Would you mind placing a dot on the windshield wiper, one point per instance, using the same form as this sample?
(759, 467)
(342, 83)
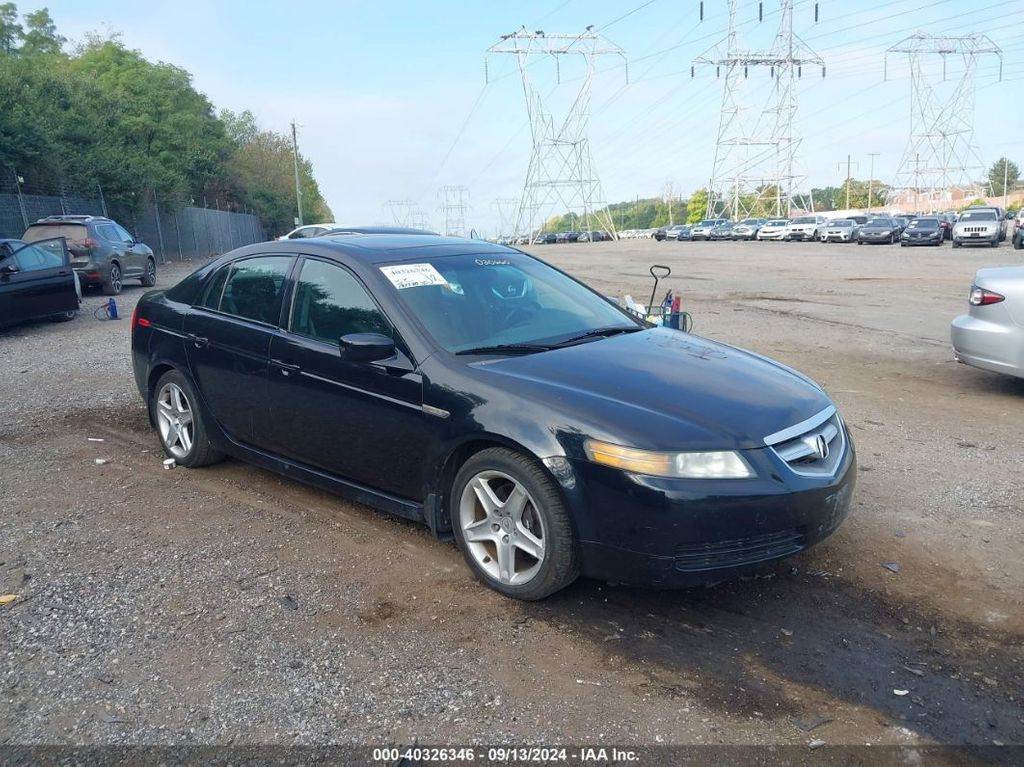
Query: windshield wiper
(598, 333)
(506, 349)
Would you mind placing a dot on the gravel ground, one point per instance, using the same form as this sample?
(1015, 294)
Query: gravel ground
(228, 605)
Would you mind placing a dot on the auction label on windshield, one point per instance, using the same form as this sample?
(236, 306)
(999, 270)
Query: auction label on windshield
(404, 276)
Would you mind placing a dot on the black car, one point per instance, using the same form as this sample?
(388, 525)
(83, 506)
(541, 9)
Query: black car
(483, 392)
(102, 251)
(878, 230)
(36, 281)
(926, 230)
(669, 232)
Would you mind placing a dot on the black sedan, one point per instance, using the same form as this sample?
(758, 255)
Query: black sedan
(483, 392)
(923, 231)
(876, 230)
(37, 281)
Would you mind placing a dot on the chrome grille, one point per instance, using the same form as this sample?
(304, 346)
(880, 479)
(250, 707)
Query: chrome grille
(814, 447)
(975, 229)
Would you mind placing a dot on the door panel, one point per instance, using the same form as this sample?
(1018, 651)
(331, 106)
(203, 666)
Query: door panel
(43, 284)
(362, 421)
(228, 342)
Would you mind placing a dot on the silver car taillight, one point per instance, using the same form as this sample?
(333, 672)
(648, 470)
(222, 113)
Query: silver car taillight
(982, 297)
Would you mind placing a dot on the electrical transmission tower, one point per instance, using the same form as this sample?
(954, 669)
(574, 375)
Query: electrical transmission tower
(941, 155)
(506, 207)
(406, 213)
(560, 177)
(753, 171)
(454, 208)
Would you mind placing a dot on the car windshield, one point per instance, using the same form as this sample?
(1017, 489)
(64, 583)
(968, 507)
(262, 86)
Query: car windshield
(842, 223)
(924, 223)
(805, 220)
(778, 222)
(978, 215)
(708, 222)
(71, 232)
(883, 222)
(749, 221)
(483, 301)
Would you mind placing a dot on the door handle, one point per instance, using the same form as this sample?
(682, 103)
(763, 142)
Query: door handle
(200, 342)
(286, 368)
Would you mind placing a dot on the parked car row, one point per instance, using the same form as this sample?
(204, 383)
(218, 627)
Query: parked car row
(983, 225)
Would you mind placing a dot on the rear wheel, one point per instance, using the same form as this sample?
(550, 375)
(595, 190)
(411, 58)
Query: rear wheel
(63, 316)
(179, 423)
(112, 285)
(512, 526)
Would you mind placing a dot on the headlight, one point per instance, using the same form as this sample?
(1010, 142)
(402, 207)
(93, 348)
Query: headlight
(725, 464)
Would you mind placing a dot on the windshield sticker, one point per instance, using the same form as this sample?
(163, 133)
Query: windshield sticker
(404, 276)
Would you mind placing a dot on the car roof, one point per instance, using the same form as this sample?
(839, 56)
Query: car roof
(70, 220)
(379, 248)
(337, 230)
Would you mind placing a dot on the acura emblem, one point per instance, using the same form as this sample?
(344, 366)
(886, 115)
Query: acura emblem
(821, 447)
(818, 445)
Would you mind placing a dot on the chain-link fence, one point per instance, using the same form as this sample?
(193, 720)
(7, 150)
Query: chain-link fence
(175, 233)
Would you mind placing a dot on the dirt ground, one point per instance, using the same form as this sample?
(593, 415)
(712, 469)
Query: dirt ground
(228, 605)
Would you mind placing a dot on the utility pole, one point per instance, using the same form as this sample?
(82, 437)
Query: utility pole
(1006, 168)
(871, 178)
(757, 141)
(298, 188)
(848, 162)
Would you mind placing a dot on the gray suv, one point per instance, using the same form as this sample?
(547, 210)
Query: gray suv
(102, 252)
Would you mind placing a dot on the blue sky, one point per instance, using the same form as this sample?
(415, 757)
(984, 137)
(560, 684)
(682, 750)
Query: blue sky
(392, 100)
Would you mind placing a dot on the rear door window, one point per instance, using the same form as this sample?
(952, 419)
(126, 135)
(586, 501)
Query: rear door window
(253, 289)
(70, 232)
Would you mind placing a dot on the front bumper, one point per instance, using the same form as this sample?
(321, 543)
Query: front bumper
(991, 238)
(800, 235)
(675, 533)
(837, 237)
(878, 238)
(931, 240)
(988, 345)
(771, 235)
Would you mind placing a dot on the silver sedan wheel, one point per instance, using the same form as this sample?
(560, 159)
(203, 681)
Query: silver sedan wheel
(502, 528)
(175, 421)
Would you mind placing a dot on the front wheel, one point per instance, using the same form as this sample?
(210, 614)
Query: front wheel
(512, 526)
(64, 316)
(182, 430)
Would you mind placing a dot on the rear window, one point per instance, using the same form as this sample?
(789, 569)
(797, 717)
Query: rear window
(70, 232)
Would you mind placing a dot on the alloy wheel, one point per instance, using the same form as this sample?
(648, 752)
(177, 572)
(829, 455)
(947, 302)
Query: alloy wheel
(503, 530)
(175, 420)
(115, 278)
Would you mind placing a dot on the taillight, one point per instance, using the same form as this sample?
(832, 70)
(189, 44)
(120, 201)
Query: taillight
(87, 244)
(982, 297)
(138, 321)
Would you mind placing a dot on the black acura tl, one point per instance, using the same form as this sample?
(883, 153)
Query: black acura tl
(489, 395)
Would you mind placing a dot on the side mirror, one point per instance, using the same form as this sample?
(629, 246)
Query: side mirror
(367, 347)
(8, 269)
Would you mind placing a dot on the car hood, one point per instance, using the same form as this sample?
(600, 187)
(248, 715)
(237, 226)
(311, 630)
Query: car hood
(663, 389)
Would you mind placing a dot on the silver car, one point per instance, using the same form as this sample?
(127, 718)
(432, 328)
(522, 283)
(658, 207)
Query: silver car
(991, 335)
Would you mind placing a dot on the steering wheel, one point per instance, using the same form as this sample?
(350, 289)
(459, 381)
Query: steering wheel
(521, 313)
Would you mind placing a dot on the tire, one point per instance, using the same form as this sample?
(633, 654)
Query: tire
(1018, 243)
(956, 244)
(113, 283)
(892, 239)
(902, 244)
(860, 241)
(169, 410)
(148, 279)
(64, 316)
(497, 474)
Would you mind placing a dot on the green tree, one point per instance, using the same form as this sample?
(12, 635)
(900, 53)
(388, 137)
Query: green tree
(40, 36)
(11, 32)
(697, 206)
(1003, 176)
